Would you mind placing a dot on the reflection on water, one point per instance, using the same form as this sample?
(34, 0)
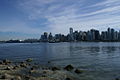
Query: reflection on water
(100, 60)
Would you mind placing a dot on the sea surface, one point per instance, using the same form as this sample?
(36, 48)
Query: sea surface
(99, 60)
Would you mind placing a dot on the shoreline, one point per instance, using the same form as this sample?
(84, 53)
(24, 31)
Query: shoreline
(62, 42)
(26, 70)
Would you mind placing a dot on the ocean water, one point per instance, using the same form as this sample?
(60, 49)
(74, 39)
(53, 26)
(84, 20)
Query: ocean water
(99, 60)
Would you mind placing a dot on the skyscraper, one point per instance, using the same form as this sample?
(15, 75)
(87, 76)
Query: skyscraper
(44, 37)
(50, 37)
(71, 34)
(119, 35)
(112, 34)
(109, 34)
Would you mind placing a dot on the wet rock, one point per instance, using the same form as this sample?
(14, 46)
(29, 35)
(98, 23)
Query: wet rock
(44, 75)
(16, 67)
(69, 67)
(1, 62)
(47, 78)
(16, 78)
(32, 68)
(78, 71)
(117, 79)
(6, 61)
(49, 61)
(55, 68)
(44, 68)
(6, 76)
(8, 68)
(35, 67)
(29, 60)
(23, 65)
(44, 72)
(67, 79)
(29, 78)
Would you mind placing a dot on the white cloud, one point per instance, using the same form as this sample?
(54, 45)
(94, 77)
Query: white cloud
(60, 15)
(107, 3)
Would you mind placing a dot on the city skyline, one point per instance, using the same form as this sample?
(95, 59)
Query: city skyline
(21, 19)
(108, 35)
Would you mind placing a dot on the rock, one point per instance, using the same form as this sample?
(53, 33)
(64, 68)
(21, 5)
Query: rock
(6, 61)
(49, 62)
(6, 76)
(16, 78)
(55, 68)
(69, 67)
(15, 67)
(29, 60)
(1, 62)
(23, 65)
(32, 68)
(8, 68)
(67, 79)
(47, 78)
(35, 67)
(78, 71)
(44, 72)
(117, 79)
(44, 75)
(29, 78)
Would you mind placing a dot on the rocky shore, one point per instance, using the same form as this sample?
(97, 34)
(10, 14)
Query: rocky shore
(26, 71)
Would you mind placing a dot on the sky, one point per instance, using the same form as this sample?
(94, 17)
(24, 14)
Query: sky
(21, 19)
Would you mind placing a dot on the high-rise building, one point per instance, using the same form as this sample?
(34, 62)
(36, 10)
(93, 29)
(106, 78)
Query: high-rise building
(104, 35)
(112, 36)
(75, 35)
(97, 35)
(116, 35)
(80, 36)
(71, 34)
(92, 34)
(50, 37)
(44, 37)
(109, 34)
(119, 35)
(89, 36)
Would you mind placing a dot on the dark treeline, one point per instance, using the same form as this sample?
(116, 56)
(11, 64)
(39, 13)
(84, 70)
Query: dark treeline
(110, 35)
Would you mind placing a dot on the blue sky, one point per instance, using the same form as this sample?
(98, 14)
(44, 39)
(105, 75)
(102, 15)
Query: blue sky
(20, 19)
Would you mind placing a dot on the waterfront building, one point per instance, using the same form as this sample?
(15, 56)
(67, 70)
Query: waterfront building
(97, 35)
(115, 35)
(89, 36)
(75, 35)
(104, 35)
(119, 36)
(109, 34)
(50, 37)
(92, 35)
(71, 34)
(44, 37)
(57, 37)
(80, 36)
(112, 36)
